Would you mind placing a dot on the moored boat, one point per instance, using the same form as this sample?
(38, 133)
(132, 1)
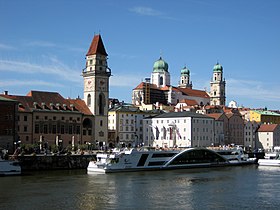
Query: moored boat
(270, 162)
(151, 159)
(235, 155)
(8, 167)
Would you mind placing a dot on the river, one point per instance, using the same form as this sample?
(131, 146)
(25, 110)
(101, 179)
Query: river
(246, 187)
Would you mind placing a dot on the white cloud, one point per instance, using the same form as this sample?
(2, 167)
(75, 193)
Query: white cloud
(6, 47)
(14, 83)
(55, 68)
(252, 90)
(146, 11)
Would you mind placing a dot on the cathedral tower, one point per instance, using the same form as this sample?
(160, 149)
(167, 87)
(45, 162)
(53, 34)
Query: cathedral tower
(217, 86)
(160, 75)
(185, 78)
(96, 86)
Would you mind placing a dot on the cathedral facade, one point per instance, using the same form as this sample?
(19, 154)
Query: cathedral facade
(158, 90)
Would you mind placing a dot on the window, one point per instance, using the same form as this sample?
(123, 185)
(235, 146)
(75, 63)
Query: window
(25, 118)
(25, 128)
(45, 129)
(54, 129)
(54, 117)
(89, 100)
(36, 128)
(46, 117)
(101, 123)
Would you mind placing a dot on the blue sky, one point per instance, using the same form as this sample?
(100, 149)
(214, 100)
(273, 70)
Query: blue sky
(43, 45)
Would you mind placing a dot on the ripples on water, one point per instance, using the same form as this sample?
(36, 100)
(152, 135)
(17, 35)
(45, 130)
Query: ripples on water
(249, 187)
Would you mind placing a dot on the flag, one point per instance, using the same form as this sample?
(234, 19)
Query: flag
(157, 133)
(178, 133)
(164, 132)
(170, 133)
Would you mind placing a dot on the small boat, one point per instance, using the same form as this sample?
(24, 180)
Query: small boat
(8, 167)
(152, 159)
(270, 162)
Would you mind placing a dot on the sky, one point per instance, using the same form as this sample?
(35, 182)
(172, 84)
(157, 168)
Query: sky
(43, 45)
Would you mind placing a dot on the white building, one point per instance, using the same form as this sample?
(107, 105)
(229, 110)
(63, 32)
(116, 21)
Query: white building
(125, 124)
(182, 129)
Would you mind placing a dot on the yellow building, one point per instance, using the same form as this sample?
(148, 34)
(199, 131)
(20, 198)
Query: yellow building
(265, 116)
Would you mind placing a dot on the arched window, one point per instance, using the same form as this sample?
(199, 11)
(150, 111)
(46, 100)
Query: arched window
(161, 81)
(89, 100)
(101, 103)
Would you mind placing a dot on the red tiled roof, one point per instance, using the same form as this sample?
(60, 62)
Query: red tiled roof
(215, 115)
(189, 102)
(193, 92)
(97, 46)
(26, 103)
(267, 127)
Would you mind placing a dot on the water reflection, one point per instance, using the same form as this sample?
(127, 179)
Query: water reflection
(222, 188)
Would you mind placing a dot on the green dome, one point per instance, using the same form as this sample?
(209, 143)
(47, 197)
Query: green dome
(185, 71)
(218, 67)
(160, 66)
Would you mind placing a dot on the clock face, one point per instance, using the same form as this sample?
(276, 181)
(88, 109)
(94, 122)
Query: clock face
(88, 84)
(102, 84)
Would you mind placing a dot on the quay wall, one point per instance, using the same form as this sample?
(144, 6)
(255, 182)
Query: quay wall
(54, 162)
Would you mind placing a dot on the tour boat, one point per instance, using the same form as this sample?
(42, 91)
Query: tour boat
(152, 159)
(270, 162)
(9, 167)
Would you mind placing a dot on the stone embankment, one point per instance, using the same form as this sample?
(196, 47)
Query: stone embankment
(54, 162)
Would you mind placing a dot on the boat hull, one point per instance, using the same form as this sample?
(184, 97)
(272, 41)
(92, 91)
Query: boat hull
(268, 162)
(9, 168)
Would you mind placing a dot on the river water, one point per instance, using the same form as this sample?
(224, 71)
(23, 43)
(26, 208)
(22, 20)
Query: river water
(246, 187)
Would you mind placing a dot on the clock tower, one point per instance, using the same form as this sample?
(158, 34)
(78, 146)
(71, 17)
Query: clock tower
(96, 87)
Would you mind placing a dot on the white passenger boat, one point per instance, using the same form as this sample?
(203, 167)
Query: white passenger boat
(270, 162)
(151, 159)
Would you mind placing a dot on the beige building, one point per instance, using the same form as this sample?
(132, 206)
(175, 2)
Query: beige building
(268, 136)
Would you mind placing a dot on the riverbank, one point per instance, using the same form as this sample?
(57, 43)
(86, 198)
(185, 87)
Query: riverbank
(54, 162)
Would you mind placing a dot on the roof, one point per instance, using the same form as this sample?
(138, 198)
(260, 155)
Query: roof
(189, 102)
(97, 46)
(193, 92)
(216, 116)
(182, 114)
(267, 127)
(266, 112)
(48, 101)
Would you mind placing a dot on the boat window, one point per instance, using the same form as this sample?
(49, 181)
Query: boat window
(197, 156)
(142, 159)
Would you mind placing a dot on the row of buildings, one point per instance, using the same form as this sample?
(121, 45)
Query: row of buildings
(160, 114)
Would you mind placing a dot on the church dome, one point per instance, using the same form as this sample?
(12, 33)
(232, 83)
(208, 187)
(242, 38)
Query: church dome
(185, 71)
(218, 67)
(160, 66)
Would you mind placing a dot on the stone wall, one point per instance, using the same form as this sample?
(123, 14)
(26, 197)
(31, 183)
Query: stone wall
(54, 162)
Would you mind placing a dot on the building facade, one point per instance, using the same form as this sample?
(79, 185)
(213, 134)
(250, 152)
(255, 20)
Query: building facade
(268, 136)
(8, 123)
(46, 118)
(179, 129)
